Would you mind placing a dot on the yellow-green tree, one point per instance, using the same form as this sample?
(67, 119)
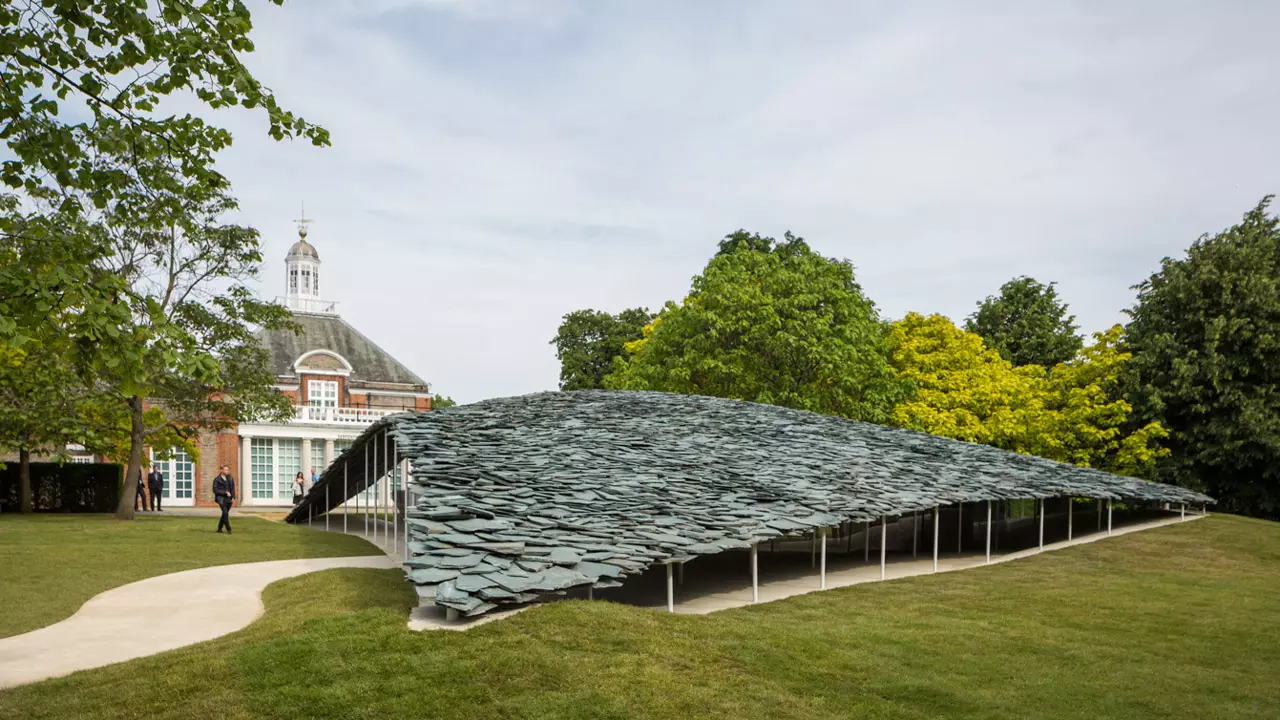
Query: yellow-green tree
(1069, 413)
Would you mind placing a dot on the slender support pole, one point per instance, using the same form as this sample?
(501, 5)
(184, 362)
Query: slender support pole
(813, 550)
(450, 614)
(822, 568)
(960, 527)
(326, 504)
(1204, 510)
(866, 533)
(1099, 514)
(1108, 516)
(680, 574)
(988, 532)
(405, 475)
(1071, 505)
(395, 506)
(755, 576)
(937, 510)
(365, 516)
(915, 532)
(1041, 523)
(345, 495)
(591, 592)
(671, 591)
(1184, 511)
(884, 537)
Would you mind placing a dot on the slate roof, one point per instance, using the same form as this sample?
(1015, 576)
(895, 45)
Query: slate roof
(524, 496)
(369, 362)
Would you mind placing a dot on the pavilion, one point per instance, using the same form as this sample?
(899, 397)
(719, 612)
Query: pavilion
(516, 500)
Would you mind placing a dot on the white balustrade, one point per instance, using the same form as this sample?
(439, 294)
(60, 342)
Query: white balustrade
(339, 415)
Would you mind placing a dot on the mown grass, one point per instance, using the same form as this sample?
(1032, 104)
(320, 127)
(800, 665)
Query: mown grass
(1181, 622)
(52, 564)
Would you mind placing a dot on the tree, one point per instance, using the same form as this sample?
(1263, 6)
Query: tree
(93, 152)
(1070, 412)
(783, 325)
(1026, 324)
(1205, 338)
(440, 402)
(588, 341)
(189, 350)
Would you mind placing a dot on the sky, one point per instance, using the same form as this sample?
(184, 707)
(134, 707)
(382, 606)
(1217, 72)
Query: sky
(496, 165)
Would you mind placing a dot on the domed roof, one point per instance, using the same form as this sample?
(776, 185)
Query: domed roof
(304, 249)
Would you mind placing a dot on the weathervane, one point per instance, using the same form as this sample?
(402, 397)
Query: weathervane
(303, 222)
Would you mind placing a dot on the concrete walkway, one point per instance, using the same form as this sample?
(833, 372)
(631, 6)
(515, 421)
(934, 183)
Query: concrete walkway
(154, 615)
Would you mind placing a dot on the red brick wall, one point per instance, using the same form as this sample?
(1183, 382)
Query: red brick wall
(300, 397)
(422, 403)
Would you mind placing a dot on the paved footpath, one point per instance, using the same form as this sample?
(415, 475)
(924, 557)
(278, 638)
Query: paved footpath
(154, 615)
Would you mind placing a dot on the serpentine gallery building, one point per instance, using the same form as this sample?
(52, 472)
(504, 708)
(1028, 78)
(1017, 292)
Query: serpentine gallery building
(340, 383)
(519, 500)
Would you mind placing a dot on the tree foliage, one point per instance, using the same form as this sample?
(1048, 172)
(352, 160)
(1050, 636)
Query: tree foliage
(1069, 413)
(150, 301)
(440, 402)
(588, 341)
(771, 322)
(1205, 336)
(1027, 324)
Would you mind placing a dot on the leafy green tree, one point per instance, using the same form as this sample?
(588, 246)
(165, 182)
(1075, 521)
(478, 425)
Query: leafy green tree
(1027, 324)
(1205, 338)
(588, 341)
(1069, 413)
(125, 187)
(782, 325)
(440, 402)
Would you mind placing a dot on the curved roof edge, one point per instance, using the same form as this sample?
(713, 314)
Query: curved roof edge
(519, 497)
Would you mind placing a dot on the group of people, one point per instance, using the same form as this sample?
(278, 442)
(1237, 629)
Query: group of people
(301, 487)
(224, 492)
(152, 489)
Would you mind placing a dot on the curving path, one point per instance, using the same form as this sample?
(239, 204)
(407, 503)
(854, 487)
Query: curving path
(154, 615)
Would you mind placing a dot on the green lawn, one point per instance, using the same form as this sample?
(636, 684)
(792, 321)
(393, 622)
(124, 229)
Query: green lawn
(52, 564)
(1181, 622)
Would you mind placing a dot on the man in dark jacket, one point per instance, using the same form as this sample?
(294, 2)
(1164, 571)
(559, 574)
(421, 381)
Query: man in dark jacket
(140, 498)
(155, 484)
(224, 492)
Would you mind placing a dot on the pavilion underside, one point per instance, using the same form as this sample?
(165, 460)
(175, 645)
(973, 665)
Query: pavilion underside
(517, 499)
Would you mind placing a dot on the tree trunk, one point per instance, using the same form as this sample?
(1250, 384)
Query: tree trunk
(137, 436)
(24, 481)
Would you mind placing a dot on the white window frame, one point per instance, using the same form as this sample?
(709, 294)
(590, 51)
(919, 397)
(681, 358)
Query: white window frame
(322, 393)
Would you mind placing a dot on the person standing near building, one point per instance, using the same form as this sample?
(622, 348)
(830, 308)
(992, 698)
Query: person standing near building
(224, 493)
(299, 487)
(315, 478)
(140, 498)
(155, 484)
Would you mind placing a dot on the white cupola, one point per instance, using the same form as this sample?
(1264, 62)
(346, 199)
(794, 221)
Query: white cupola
(302, 275)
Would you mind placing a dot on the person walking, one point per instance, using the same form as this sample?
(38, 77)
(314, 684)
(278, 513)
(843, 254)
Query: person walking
(140, 498)
(315, 478)
(299, 487)
(224, 493)
(155, 484)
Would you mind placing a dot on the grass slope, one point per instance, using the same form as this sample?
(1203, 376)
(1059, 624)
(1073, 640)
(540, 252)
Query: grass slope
(52, 564)
(1179, 622)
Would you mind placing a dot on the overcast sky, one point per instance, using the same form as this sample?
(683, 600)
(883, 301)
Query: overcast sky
(496, 165)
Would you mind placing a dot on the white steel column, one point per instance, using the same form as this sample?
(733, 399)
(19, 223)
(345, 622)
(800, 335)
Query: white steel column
(326, 506)
(405, 475)
(1108, 516)
(884, 537)
(671, 591)
(373, 485)
(395, 501)
(822, 568)
(1184, 511)
(937, 515)
(1071, 506)
(755, 576)
(365, 516)
(988, 531)
(1204, 510)
(1041, 523)
(344, 495)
